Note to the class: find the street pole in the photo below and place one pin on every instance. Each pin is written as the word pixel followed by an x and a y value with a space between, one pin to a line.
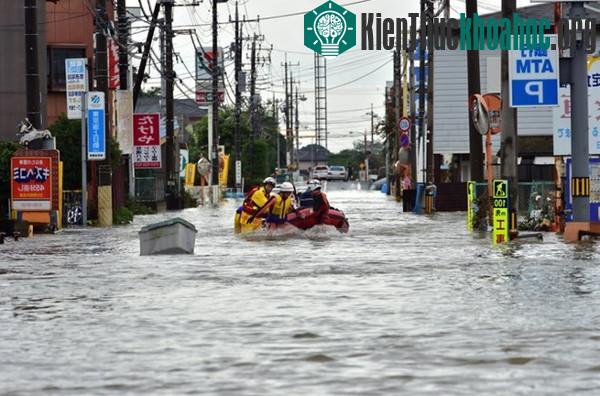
pixel 84 213
pixel 238 94
pixel 422 45
pixel 509 151
pixel 297 133
pixel 372 126
pixel 105 210
pixel 287 113
pixel 146 53
pixel 474 87
pixel 413 116
pixel 253 132
pixel 172 193
pixel 123 34
pixel 430 108
pixel 32 72
pixel 215 98
pixel 579 125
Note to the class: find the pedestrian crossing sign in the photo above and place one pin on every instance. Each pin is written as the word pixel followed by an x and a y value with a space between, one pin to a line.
pixel 500 189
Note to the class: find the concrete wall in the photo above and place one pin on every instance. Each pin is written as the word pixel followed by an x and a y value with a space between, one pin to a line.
pixel 12 65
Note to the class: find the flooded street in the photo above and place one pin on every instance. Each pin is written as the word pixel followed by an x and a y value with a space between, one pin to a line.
pixel 402 304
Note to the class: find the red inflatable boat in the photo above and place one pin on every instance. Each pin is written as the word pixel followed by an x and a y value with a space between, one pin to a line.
pixel 304 219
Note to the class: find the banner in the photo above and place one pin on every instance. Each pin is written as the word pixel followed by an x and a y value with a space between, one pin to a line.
pixel 190 174
pixel 31 183
pixel 113 64
pixel 96 132
pixel 562 114
pixel 500 214
pixel 125 120
pixel 146 141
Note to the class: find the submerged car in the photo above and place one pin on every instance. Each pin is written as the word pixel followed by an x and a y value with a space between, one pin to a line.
pixel 337 173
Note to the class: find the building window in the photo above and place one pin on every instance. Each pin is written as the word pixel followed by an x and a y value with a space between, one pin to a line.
pixel 56 65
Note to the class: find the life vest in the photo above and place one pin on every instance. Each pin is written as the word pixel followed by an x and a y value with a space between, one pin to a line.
pixel 256 199
pixel 281 208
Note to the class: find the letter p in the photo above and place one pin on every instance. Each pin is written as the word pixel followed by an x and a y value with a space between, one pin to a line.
pixel 535 88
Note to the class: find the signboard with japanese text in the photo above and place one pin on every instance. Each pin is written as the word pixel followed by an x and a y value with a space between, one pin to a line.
pixel 500 211
pixel 125 120
pixel 190 174
pixel 562 114
pixel 96 137
pixel 31 183
pixel 184 158
pixel 76 84
pixel 533 76
pixel 113 64
pixel 146 141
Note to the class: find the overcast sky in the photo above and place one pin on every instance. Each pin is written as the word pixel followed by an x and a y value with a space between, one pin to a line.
pixel 362 74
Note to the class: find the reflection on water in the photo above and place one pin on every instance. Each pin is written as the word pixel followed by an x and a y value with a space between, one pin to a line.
pixel 401 304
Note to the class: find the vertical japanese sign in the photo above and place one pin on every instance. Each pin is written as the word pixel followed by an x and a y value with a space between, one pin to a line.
pixel 113 64
pixel 125 120
pixel 562 114
pixel 500 201
pixel 146 141
pixel 76 85
pixel 31 183
pixel 190 174
pixel 96 138
pixel 204 77
pixel 470 205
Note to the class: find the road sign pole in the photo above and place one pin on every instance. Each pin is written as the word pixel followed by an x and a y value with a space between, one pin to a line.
pixel 83 159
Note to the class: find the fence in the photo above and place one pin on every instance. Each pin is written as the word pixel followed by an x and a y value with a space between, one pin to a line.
pixel 149 189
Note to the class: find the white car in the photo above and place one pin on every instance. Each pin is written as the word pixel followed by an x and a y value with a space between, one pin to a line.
pixel 320 172
pixel 337 173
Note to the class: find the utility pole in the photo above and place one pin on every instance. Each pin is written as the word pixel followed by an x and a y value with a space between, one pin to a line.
pixel 372 114
pixel 105 214
pixel 422 46
pixel 172 193
pixel 297 151
pixel 509 151
pixel 123 34
pixel 215 96
pixel 474 87
pixel 413 116
pixel 287 114
pixel 32 72
pixel 430 114
pixel 238 93
pixel 253 131
pixel 579 125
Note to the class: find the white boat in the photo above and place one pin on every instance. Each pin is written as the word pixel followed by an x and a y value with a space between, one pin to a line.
pixel 174 236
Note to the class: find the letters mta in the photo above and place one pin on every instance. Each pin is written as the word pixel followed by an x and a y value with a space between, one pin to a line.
pixel 534 66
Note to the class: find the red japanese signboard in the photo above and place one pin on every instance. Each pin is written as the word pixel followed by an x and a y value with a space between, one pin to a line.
pixel 31 183
pixel 113 65
pixel 146 141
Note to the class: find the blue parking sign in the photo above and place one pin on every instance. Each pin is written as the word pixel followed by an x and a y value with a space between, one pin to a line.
pixel 534 76
pixel 96 142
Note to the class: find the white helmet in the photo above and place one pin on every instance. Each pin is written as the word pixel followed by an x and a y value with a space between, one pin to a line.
pixel 286 187
pixel 270 180
pixel 314 185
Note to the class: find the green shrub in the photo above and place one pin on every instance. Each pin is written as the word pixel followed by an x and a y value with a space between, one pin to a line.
pixel 123 216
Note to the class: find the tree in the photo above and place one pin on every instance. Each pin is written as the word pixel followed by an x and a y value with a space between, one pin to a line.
pixel 265 147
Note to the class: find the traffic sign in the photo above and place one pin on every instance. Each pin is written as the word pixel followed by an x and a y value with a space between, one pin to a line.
pixel 96 138
pixel 500 211
pixel 404 124
pixel 533 76
pixel 404 140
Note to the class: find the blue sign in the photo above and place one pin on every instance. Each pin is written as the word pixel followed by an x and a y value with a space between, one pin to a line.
pixel 534 77
pixel 96 138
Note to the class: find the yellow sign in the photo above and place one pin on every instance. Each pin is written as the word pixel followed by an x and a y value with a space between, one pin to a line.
pixel 190 174
pixel 500 214
pixel 470 200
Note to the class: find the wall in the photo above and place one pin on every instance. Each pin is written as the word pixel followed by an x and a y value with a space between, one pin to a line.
pixel 13 106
